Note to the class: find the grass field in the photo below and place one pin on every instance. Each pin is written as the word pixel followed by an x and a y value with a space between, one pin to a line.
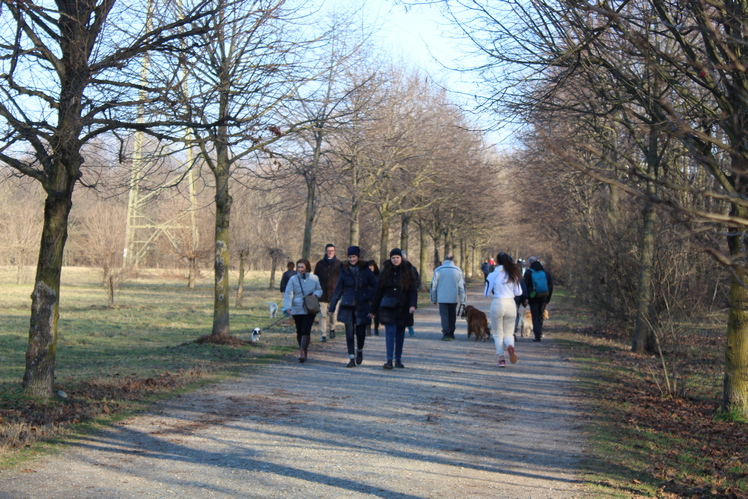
pixel 642 442
pixel 142 347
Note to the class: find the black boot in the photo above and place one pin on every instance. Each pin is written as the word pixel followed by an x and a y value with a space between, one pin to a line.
pixel 304 347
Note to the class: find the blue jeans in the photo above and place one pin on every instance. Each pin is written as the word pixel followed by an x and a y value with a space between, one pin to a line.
pixel 394 339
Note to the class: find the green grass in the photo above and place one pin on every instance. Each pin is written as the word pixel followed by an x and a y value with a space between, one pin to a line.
pixel 150 332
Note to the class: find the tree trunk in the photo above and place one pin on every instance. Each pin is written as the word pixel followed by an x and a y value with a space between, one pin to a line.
pixel 191 271
pixel 38 379
pixel 404 231
pixel 384 240
pixel 221 266
pixel 423 256
pixel 240 286
pixel 437 258
pixel 643 338
pixel 274 264
pixel 735 386
pixel 306 249
pixel 355 207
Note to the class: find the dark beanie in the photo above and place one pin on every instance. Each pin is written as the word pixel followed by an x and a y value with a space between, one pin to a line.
pixel 396 251
pixel 354 250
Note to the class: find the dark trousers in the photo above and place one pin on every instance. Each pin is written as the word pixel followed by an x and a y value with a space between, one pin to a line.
pixel 448 314
pixel 359 332
pixel 537 309
pixel 394 340
pixel 304 323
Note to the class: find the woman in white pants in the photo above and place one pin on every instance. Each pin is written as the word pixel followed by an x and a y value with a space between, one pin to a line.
pixel 503 285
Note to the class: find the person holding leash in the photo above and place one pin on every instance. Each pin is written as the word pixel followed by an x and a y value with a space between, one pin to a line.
pixel 448 289
pixel 503 285
pixel 300 285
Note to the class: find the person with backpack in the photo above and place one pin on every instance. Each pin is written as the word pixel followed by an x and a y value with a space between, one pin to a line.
pixel 539 288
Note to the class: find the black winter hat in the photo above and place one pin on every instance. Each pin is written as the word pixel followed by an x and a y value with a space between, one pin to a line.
pixel 396 251
pixel 354 250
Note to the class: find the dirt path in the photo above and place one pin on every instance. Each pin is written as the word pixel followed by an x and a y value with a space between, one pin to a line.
pixel 450 425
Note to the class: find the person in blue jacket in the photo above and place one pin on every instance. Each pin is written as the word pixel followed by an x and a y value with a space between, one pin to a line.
pixel 354 292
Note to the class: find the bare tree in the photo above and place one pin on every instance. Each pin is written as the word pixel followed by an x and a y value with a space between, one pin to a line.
pixel 71 73
pixel 695 51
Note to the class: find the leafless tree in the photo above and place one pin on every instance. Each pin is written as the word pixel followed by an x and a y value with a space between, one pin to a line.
pixel 71 72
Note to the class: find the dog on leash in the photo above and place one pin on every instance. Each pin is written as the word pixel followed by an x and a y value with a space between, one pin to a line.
pixel 477 323
pixel 256 332
pixel 525 324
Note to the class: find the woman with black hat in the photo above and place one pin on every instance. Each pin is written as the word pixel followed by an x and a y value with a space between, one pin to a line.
pixel 395 302
pixel 355 289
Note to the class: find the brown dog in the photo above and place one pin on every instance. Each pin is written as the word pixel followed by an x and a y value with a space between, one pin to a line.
pixel 477 323
pixel 525 324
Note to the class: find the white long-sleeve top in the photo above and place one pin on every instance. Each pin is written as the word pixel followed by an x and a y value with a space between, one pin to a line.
pixel 499 286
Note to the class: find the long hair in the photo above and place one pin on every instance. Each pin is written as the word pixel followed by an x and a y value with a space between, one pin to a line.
pixel 407 274
pixel 373 263
pixel 511 268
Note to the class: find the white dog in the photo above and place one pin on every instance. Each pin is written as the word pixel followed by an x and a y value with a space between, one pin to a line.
pixel 256 332
pixel 273 309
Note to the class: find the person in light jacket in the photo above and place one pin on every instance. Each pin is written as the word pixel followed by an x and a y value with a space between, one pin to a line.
pixel 503 285
pixel 354 291
pixel 299 286
pixel 448 289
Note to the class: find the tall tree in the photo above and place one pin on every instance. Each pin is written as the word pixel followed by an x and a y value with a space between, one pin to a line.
pixel 697 50
pixel 71 72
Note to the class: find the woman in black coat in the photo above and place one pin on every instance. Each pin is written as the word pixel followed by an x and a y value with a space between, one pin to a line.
pixel 395 302
pixel 355 289
pixel 374 268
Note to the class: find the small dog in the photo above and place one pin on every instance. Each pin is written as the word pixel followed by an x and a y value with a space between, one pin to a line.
pixel 525 324
pixel 477 323
pixel 273 309
pixel 256 332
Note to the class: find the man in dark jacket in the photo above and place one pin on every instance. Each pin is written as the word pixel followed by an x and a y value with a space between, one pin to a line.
pixel 539 298
pixel 328 271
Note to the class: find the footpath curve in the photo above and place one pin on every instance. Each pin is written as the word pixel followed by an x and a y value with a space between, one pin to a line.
pixel 449 425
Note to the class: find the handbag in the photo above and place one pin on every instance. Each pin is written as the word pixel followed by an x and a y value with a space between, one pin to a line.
pixel 388 302
pixel 311 302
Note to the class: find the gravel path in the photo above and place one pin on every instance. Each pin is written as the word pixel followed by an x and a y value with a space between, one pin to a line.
pixel 449 425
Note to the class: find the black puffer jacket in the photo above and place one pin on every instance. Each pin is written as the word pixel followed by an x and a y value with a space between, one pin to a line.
pixel 391 285
pixel 355 289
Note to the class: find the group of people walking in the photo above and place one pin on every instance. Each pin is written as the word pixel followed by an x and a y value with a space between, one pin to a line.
pixel 361 294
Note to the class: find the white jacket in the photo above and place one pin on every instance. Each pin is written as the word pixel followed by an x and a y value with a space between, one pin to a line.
pixel 293 298
pixel 498 285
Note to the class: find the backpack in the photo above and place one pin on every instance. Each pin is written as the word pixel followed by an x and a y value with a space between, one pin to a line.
pixel 539 284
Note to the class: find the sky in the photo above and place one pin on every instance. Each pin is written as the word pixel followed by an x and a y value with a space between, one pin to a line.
pixel 425 38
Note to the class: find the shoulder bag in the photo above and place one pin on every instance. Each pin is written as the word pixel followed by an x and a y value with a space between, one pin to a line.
pixel 311 302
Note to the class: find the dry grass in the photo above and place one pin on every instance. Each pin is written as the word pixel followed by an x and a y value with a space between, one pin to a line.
pixel 109 360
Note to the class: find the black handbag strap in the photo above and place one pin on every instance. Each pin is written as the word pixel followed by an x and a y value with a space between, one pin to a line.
pixel 301 285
